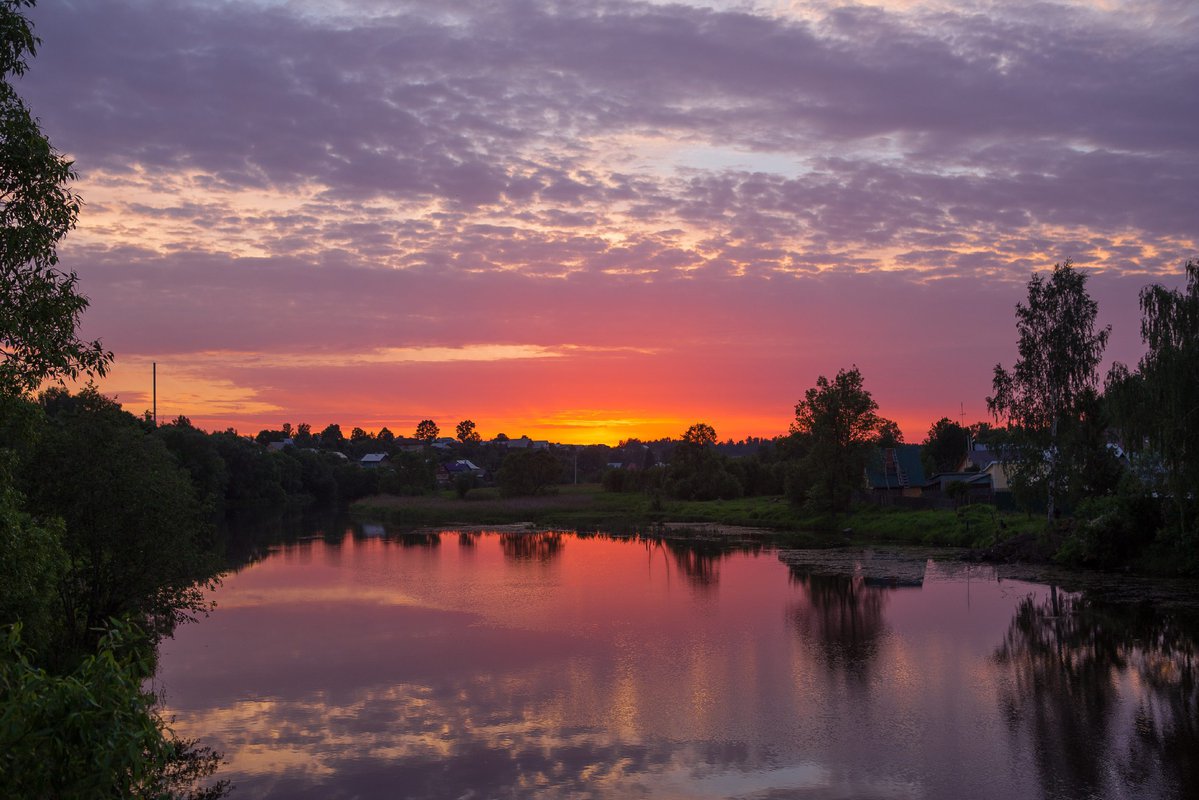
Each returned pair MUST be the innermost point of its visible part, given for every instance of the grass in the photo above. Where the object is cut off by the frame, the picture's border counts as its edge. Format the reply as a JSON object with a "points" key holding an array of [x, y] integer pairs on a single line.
{"points": [[588, 507]]}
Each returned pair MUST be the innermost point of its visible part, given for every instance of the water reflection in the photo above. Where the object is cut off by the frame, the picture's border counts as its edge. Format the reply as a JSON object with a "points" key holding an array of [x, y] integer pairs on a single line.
{"points": [[541, 546], [1070, 665], [416, 539], [843, 615], [388, 666]]}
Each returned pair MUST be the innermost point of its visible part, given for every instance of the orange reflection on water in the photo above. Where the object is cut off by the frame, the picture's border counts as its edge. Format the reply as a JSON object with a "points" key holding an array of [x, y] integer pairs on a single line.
{"points": [[556, 665]]}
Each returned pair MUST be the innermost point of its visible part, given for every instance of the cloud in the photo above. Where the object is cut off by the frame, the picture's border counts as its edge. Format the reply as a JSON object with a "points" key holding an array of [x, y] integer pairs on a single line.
{"points": [[794, 186]]}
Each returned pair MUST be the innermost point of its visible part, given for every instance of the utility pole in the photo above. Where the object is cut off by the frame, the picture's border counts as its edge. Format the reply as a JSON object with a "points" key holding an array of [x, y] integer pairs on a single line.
{"points": [[154, 390]]}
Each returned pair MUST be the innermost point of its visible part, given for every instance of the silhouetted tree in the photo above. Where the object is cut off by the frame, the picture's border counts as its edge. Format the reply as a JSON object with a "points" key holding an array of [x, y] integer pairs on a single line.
{"points": [[528, 472], [839, 421], [1060, 351], [1158, 406], [427, 431], [466, 432], [332, 437], [944, 447]]}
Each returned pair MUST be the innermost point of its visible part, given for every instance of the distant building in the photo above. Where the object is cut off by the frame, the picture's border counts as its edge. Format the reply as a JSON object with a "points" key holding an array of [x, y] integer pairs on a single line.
{"points": [[981, 459], [896, 471], [276, 447], [372, 460], [447, 473]]}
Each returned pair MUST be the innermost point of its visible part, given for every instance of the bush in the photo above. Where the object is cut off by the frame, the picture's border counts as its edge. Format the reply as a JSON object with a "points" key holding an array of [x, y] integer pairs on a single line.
{"points": [[108, 740], [1110, 532], [463, 483], [614, 480]]}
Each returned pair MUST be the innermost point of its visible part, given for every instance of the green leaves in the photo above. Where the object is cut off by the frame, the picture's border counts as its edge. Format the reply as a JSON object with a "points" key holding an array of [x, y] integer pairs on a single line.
{"points": [[92, 733], [1054, 377], [39, 304], [840, 421]]}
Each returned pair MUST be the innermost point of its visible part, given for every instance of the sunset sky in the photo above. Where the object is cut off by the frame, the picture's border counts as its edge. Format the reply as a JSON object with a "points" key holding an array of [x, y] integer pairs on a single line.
{"points": [[585, 221]]}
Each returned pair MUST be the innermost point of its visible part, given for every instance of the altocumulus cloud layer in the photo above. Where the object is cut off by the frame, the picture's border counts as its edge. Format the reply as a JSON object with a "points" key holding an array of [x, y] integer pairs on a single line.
{"points": [[633, 198]]}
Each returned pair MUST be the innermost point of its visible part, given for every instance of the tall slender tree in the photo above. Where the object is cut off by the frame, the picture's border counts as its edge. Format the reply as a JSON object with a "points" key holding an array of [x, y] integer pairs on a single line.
{"points": [[1060, 350], [1157, 407]]}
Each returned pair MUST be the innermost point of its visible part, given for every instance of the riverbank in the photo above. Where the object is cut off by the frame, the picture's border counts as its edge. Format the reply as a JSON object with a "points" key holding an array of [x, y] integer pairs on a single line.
{"points": [[587, 507]]}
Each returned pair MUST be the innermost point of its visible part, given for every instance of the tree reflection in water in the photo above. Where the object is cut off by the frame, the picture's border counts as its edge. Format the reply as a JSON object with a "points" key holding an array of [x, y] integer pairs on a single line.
{"points": [[699, 559], [843, 616], [1070, 663], [542, 546], [413, 539]]}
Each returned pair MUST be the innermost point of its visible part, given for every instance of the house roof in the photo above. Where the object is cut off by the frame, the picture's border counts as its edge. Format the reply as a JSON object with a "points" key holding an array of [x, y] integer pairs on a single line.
{"points": [[895, 467], [373, 458], [981, 457]]}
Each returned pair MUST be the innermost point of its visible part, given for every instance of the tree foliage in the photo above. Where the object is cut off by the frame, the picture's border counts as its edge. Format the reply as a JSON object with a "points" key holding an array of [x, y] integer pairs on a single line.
{"points": [[528, 472], [39, 305], [944, 447], [1157, 407], [93, 732], [466, 432], [1058, 365], [135, 535], [100, 532], [701, 434], [697, 472], [427, 431], [838, 422]]}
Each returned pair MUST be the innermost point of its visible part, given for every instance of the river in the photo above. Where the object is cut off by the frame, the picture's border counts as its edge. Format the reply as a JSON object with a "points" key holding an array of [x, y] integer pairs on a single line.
{"points": [[367, 664]]}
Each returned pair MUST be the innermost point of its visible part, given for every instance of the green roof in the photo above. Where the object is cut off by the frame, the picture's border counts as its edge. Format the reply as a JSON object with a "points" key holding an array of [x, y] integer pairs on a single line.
{"points": [[906, 464]]}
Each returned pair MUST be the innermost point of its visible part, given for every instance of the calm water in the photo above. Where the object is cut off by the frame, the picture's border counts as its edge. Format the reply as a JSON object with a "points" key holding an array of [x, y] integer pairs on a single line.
{"points": [[551, 666]]}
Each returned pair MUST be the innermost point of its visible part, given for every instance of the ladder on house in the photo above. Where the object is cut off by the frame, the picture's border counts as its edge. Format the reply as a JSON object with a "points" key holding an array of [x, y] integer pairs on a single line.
{"points": [[891, 467]]}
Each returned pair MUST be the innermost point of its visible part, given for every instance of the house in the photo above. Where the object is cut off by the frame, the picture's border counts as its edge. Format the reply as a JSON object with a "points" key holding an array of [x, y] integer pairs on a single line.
{"points": [[978, 485], [981, 459], [276, 447], [896, 471], [372, 460], [447, 473]]}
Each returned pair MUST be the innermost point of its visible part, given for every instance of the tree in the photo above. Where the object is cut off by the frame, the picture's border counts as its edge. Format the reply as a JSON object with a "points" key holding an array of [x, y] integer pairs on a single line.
{"points": [[39, 304], [889, 434], [332, 438], [1158, 405], [839, 420], [1060, 351], [427, 431], [385, 437], [466, 432], [944, 447], [134, 532], [700, 434], [108, 739], [528, 472], [697, 472]]}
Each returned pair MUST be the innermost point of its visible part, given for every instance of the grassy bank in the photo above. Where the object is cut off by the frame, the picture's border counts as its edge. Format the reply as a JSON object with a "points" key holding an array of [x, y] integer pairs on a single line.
{"points": [[587, 507]]}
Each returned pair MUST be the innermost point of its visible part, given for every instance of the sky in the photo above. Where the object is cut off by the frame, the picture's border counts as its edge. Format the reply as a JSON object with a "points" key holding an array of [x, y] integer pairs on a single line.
{"points": [[589, 221]]}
